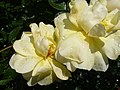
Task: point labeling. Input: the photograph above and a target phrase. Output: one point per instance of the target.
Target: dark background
(15, 17)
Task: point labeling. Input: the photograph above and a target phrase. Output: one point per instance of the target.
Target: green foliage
(15, 17)
(59, 6)
(13, 34)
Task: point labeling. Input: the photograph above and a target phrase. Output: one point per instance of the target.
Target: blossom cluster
(85, 38)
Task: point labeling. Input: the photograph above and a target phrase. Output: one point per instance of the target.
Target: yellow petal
(42, 45)
(90, 18)
(48, 79)
(35, 31)
(65, 61)
(116, 18)
(100, 59)
(60, 70)
(23, 64)
(24, 46)
(97, 31)
(104, 2)
(101, 62)
(42, 30)
(33, 81)
(26, 34)
(43, 67)
(43, 37)
(27, 76)
(64, 27)
(76, 8)
(112, 45)
(113, 4)
(13, 59)
(76, 51)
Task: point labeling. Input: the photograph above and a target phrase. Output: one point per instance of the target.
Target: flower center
(107, 25)
(51, 50)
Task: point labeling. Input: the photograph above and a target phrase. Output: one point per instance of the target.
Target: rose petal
(42, 30)
(113, 4)
(43, 67)
(25, 46)
(76, 8)
(92, 19)
(101, 62)
(60, 71)
(64, 27)
(46, 80)
(77, 51)
(23, 64)
(112, 45)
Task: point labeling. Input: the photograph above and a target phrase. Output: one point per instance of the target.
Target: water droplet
(4, 46)
(98, 76)
(116, 51)
(23, 6)
(56, 87)
(118, 45)
(117, 80)
(26, 11)
(7, 26)
(2, 29)
(14, 18)
(71, 48)
(118, 64)
(63, 37)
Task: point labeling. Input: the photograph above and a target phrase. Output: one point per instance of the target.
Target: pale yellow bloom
(34, 57)
(111, 4)
(88, 36)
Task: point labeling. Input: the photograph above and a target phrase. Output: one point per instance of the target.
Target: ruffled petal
(60, 70)
(23, 64)
(91, 22)
(101, 62)
(43, 67)
(27, 76)
(100, 59)
(42, 74)
(116, 21)
(113, 4)
(77, 51)
(13, 59)
(76, 8)
(64, 27)
(112, 45)
(46, 80)
(42, 46)
(43, 37)
(42, 30)
(104, 2)
(65, 61)
(25, 46)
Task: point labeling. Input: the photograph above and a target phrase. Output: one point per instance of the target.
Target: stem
(5, 48)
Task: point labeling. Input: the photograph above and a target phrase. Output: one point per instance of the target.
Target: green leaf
(17, 23)
(4, 82)
(2, 4)
(9, 73)
(58, 6)
(13, 34)
(4, 35)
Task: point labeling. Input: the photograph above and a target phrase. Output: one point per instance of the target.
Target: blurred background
(15, 17)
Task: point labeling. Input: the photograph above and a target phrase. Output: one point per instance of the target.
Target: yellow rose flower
(111, 4)
(88, 36)
(34, 57)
